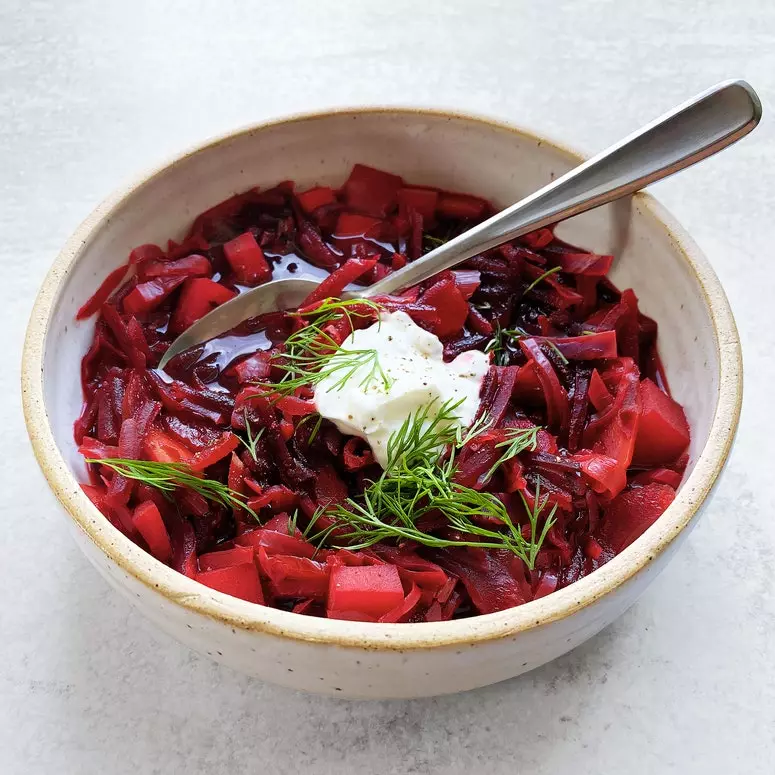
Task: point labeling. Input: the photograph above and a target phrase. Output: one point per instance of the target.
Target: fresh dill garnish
(419, 480)
(168, 477)
(546, 274)
(557, 351)
(518, 440)
(477, 427)
(434, 241)
(304, 340)
(498, 344)
(312, 369)
(503, 336)
(292, 520)
(311, 355)
(252, 439)
(318, 418)
(533, 515)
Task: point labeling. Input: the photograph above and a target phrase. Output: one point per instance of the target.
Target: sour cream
(417, 376)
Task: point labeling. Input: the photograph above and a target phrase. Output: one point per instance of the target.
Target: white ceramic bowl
(698, 342)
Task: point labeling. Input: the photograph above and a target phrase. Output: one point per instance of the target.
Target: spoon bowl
(286, 293)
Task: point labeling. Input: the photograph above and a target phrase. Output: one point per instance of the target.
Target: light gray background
(93, 92)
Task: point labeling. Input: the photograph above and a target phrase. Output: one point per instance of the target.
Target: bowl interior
(453, 152)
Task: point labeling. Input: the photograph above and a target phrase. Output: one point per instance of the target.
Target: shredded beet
(573, 360)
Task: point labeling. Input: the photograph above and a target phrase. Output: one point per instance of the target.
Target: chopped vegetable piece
(237, 580)
(316, 197)
(629, 515)
(370, 191)
(445, 297)
(226, 558)
(150, 525)
(461, 206)
(198, 297)
(422, 200)
(663, 433)
(148, 295)
(247, 260)
(364, 593)
(294, 577)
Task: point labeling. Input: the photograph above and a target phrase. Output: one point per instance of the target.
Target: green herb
(292, 523)
(419, 480)
(168, 477)
(303, 370)
(252, 439)
(305, 340)
(556, 350)
(434, 241)
(518, 440)
(546, 274)
(315, 428)
(536, 541)
(311, 355)
(498, 344)
(424, 434)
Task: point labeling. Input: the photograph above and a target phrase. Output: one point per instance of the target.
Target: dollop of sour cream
(417, 376)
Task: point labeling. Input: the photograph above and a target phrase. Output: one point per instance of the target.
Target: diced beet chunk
(364, 593)
(247, 260)
(423, 200)
(226, 558)
(371, 191)
(150, 294)
(316, 197)
(663, 433)
(461, 206)
(451, 305)
(632, 512)
(240, 581)
(197, 297)
(190, 266)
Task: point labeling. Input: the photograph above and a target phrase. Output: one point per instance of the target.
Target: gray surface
(91, 92)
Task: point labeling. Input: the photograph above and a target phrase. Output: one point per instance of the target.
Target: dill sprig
(343, 364)
(312, 337)
(168, 477)
(498, 344)
(311, 355)
(318, 420)
(533, 515)
(433, 242)
(418, 481)
(252, 439)
(557, 351)
(546, 274)
(518, 440)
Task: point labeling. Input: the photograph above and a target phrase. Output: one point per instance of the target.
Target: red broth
(581, 363)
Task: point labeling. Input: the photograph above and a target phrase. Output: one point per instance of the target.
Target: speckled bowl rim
(241, 615)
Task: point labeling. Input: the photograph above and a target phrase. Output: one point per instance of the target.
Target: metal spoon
(687, 134)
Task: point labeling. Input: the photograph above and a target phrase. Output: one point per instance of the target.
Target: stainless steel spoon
(687, 134)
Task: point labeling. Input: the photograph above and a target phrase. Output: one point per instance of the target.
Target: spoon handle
(687, 134)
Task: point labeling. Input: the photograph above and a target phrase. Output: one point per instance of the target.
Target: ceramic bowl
(672, 279)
